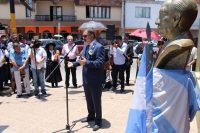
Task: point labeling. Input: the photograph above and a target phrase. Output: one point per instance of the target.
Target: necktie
(86, 51)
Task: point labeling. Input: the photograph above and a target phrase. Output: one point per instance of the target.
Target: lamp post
(123, 19)
(12, 17)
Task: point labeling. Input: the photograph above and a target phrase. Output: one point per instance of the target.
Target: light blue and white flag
(140, 119)
(175, 100)
(172, 106)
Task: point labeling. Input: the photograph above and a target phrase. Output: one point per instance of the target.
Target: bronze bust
(175, 19)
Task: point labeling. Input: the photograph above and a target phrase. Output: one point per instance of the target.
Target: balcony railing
(55, 18)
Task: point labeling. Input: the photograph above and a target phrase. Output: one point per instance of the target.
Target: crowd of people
(20, 62)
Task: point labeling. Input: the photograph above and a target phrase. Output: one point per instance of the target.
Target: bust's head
(176, 17)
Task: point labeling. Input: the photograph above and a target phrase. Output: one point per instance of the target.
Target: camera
(35, 44)
(113, 42)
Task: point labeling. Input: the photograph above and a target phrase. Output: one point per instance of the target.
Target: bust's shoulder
(180, 43)
(175, 54)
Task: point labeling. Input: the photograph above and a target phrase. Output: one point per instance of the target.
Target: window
(56, 13)
(142, 12)
(97, 12)
(28, 13)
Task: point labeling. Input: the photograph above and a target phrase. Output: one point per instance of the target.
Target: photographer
(118, 51)
(5, 66)
(3, 60)
(38, 55)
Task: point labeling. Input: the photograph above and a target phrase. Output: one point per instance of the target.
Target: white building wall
(131, 22)
(80, 12)
(43, 7)
(20, 12)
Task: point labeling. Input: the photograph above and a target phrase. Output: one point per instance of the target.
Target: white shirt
(3, 53)
(10, 46)
(118, 54)
(193, 56)
(40, 52)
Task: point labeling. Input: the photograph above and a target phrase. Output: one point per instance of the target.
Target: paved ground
(48, 115)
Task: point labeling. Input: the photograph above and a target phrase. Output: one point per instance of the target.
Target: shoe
(18, 96)
(75, 86)
(28, 95)
(96, 127)
(56, 84)
(44, 94)
(122, 90)
(36, 94)
(52, 85)
(112, 88)
(87, 120)
(127, 84)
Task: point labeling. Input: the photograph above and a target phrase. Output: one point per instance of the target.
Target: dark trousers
(73, 72)
(1, 78)
(93, 100)
(118, 69)
(127, 69)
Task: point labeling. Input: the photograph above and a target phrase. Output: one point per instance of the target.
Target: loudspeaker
(110, 32)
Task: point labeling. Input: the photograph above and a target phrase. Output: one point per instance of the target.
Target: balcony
(69, 18)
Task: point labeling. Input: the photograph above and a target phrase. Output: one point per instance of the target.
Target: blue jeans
(39, 78)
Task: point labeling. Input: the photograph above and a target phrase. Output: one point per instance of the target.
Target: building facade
(49, 17)
(139, 12)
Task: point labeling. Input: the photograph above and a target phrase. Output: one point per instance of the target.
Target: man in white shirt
(192, 60)
(38, 70)
(118, 51)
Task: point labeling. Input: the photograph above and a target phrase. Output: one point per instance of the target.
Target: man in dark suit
(92, 60)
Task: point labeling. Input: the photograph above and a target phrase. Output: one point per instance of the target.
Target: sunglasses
(84, 36)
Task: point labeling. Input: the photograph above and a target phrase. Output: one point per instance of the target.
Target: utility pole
(12, 17)
(123, 19)
(198, 52)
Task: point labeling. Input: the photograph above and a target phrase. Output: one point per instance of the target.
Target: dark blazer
(93, 70)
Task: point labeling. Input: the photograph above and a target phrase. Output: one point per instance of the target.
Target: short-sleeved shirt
(193, 56)
(25, 47)
(73, 53)
(119, 54)
(19, 58)
(10, 46)
(40, 52)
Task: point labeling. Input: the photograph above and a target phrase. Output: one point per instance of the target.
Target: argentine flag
(165, 104)
(140, 119)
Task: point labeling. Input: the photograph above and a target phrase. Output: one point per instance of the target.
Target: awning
(64, 28)
(129, 30)
(30, 28)
(46, 28)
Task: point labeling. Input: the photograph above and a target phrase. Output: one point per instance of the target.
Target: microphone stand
(67, 105)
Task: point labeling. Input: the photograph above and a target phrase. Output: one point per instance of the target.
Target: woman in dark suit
(52, 62)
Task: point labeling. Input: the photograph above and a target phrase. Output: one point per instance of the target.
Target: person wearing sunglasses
(92, 60)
